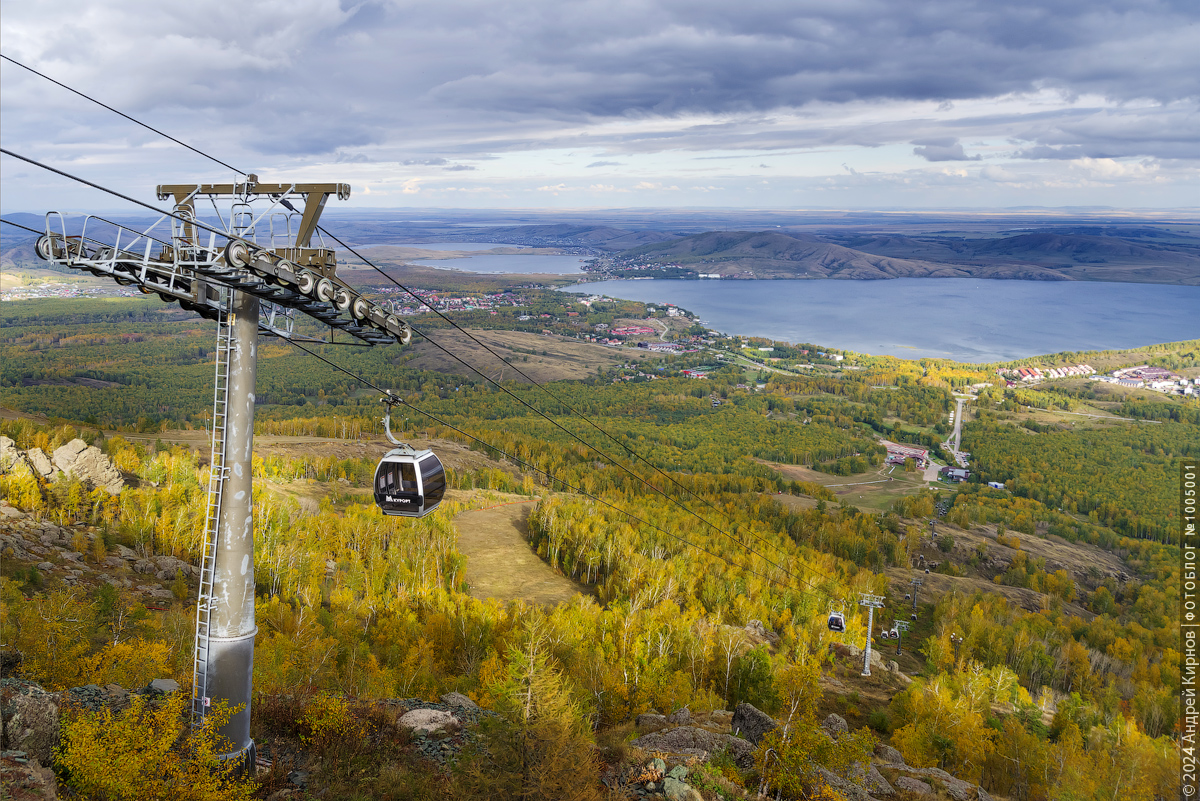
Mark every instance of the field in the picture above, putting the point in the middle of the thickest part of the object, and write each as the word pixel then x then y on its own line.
pixel 542 357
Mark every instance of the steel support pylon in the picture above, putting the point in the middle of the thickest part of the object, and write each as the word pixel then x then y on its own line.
pixel 225 611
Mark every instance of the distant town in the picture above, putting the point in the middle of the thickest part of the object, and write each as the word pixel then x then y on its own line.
pixel 1158 379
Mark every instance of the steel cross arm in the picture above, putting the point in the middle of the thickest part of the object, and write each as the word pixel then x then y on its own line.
pixel 182 274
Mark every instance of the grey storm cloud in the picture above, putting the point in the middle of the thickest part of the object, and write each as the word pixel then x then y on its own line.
pixel 288 83
pixel 942 149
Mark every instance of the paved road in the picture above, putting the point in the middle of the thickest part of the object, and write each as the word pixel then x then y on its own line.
pixel 958 427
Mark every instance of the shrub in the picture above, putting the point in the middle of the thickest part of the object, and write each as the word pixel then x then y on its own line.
pixel 880 721
pixel 148 752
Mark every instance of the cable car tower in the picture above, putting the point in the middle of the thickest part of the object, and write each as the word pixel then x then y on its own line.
pixel 249 263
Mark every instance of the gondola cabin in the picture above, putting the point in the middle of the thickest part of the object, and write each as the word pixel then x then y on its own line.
pixel 409 483
pixel 837 622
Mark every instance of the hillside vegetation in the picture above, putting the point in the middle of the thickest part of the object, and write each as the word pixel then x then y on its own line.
pixel 1072 698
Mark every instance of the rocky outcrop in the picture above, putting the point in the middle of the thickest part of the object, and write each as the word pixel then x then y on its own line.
pixel 76 459
pixel 8 454
pixel 751 723
pixel 888 755
pixel 650 721
pixel 700 743
pixel 88 463
pixel 911 785
pixel 40 463
pixel 29 720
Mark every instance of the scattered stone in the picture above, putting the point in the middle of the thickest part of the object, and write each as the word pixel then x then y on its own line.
pixel 45 566
pixel 299 778
pixel 145 566
pixel 679 772
pixel 658 766
pixel 912 785
pixel 128 554
pixel 752 723
pixel 429 721
pixel 458 700
pixel 835 725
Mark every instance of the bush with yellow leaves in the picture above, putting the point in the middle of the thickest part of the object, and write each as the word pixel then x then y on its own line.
pixel 149 752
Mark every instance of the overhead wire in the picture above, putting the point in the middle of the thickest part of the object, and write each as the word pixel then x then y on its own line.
pixel 396 399
pixel 121 113
pixel 630 451
pixel 504 389
pixel 781 569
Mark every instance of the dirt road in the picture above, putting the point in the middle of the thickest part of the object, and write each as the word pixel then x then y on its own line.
pixel 500 563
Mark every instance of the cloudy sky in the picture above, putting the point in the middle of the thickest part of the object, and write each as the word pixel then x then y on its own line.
pixel 564 103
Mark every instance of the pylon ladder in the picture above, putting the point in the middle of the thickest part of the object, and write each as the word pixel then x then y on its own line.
pixel 212 520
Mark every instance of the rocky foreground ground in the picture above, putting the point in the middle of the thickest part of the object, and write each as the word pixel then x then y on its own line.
pixel 667 752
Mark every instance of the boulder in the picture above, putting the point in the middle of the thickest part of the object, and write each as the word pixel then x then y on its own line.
pixel 679 717
pixel 163 686
pixel 89 464
pixel 676 790
pixel 751 723
pixel 835 725
pixel 11 512
pixel 888 755
pixel 170 565
pixel 8 454
pixel 870 777
pixel 697 742
pixel 651 721
pixel 846 788
pixel 128 554
pixel 458 700
pixel 40 462
pixel 66 456
pixel 30 721
pixel 429 721
pixel 911 785
pixel 145 566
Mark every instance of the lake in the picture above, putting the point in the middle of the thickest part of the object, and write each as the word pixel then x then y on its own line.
pixel 519 263
pixel 968 320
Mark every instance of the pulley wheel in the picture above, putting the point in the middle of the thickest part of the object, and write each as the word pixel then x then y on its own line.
pixel 306 282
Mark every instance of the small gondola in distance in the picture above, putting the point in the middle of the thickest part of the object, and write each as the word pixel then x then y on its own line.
pixel 408 482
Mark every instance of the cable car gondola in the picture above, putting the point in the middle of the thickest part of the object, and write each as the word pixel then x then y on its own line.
pixel 408 482
pixel 837 621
